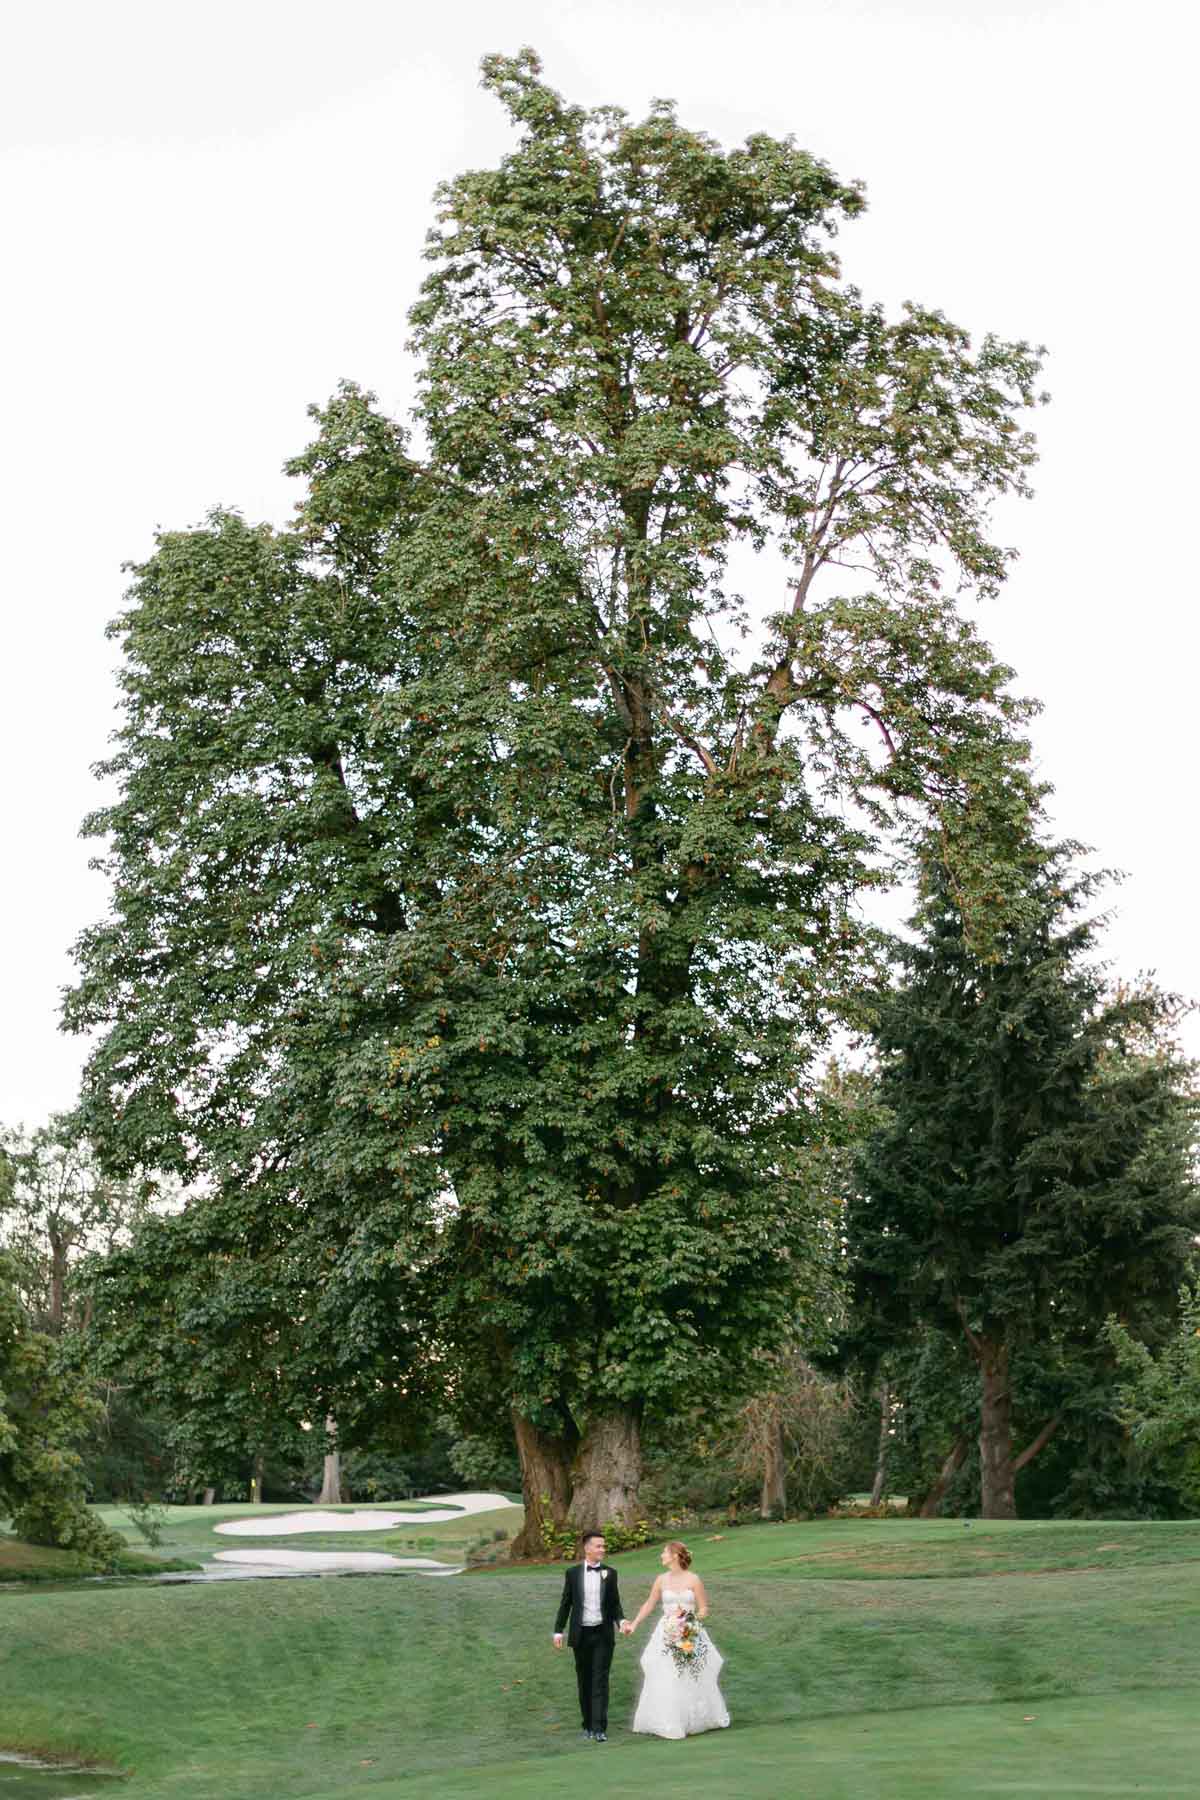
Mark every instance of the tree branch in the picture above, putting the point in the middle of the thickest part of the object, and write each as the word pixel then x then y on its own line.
pixel 685 737
pixel 949 1469
pixel 1039 1443
pixel 888 739
pixel 975 1342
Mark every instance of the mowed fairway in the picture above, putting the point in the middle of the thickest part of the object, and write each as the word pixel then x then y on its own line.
pixel 905 1659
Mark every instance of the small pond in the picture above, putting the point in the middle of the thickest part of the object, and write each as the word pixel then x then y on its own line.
pixel 24 1778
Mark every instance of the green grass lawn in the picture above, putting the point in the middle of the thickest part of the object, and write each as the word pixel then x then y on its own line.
pixel 941 1549
pixel 1075 1670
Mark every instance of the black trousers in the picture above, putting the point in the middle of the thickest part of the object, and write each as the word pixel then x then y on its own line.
pixel 593 1660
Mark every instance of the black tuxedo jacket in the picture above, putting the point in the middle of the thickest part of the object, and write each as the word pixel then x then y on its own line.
pixel 571 1604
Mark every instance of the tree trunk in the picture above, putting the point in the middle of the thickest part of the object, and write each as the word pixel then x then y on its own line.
pixel 210 1497
pixel 58 1283
pixel 607 1472
pixel 256 1480
pixel 773 1504
pixel 949 1470
pixel 545 1485
pixel 885 1421
pixel 331 1479
pixel 997 1499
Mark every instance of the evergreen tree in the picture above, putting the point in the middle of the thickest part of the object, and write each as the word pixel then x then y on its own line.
pixel 1034 1171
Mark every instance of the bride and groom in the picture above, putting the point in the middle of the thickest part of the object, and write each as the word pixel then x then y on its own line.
pixel 681 1665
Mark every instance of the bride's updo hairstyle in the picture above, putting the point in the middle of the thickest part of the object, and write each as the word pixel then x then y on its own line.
pixel 682 1554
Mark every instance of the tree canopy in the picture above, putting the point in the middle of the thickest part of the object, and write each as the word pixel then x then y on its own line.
pixel 486 871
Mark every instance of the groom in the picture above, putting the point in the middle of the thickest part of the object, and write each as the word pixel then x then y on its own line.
pixel 590 1599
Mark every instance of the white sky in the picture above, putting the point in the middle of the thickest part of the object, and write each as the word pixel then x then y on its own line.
pixel 212 213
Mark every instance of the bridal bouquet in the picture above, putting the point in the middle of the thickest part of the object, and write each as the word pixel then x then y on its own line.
pixel 684 1641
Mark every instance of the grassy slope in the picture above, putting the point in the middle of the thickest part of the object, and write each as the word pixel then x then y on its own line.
pixel 409 1689
pixel 20 1561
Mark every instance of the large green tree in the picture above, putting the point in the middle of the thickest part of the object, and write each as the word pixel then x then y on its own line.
pixel 485 869
pixel 1033 1168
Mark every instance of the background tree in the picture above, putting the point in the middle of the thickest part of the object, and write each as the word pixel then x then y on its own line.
pixel 44 1413
pixel 246 1340
pixel 127 1454
pixel 1034 1171
pixel 799 1440
pixel 484 871
pixel 58 1206
pixel 1158 1398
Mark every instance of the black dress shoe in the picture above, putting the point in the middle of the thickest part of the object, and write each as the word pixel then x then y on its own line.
pixel 600 1737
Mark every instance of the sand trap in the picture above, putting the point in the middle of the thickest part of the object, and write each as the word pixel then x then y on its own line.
pixel 288 1524
pixel 312 1519
pixel 331 1559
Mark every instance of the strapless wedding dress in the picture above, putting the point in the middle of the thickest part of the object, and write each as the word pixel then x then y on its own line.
pixel 676 1704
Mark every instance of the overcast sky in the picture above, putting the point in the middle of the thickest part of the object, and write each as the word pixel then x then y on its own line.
pixel 212 213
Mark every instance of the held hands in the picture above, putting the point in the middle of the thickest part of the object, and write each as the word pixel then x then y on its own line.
pixel 625 1628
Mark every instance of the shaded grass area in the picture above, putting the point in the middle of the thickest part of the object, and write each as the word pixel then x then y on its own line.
pixel 421 1687
pixel 20 1561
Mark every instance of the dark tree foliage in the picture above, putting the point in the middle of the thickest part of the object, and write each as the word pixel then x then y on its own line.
pixel 485 871
pixel 127 1454
pixel 1033 1171
pixel 45 1412
pixel 246 1342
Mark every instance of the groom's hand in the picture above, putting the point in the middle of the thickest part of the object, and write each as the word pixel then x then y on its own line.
pixel 558 1640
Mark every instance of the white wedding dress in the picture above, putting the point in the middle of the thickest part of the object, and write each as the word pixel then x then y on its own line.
pixel 674 1704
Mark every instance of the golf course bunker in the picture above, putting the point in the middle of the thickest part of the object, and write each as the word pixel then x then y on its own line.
pixel 315 1519
pixel 25 1778
pixel 321 1562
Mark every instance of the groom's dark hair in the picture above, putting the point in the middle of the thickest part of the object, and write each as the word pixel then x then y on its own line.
pixel 587 1537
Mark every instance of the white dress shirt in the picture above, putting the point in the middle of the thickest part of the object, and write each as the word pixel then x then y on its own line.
pixel 591 1594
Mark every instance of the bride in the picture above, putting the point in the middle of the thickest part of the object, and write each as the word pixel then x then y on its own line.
pixel 679 1696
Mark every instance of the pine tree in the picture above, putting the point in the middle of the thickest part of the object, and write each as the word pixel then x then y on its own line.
pixel 1034 1171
